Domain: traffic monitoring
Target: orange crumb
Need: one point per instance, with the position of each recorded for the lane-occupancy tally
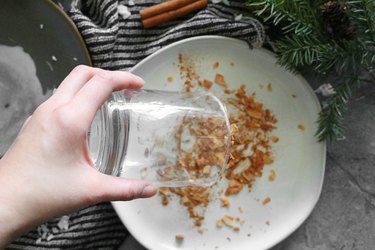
(225, 202)
(236, 229)
(266, 200)
(215, 65)
(205, 83)
(267, 159)
(272, 175)
(170, 79)
(164, 200)
(164, 190)
(269, 87)
(274, 138)
(228, 91)
(220, 223)
(228, 220)
(301, 127)
(180, 237)
(234, 187)
(219, 79)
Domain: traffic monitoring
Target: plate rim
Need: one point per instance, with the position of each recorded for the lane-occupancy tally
(307, 86)
(62, 16)
(74, 28)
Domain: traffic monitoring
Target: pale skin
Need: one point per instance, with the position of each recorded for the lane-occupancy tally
(47, 172)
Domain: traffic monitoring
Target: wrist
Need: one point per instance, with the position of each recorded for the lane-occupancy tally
(15, 219)
(10, 225)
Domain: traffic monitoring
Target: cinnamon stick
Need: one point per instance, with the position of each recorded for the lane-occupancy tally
(155, 19)
(164, 7)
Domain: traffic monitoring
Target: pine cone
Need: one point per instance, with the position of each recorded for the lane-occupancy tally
(336, 20)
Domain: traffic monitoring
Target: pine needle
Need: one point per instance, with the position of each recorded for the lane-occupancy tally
(306, 42)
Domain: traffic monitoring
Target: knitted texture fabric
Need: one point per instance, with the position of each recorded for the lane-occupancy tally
(118, 43)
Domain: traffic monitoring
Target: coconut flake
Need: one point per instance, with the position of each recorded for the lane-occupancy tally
(63, 223)
(123, 11)
(131, 3)
(237, 17)
(50, 237)
(226, 2)
(325, 90)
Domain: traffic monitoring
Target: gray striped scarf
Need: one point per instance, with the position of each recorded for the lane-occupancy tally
(116, 43)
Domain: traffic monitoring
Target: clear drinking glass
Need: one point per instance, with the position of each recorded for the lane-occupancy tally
(167, 138)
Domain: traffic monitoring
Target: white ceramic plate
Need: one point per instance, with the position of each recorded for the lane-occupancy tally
(299, 162)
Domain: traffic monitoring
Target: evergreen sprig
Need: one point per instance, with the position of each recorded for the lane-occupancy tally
(331, 118)
(296, 16)
(307, 50)
(307, 42)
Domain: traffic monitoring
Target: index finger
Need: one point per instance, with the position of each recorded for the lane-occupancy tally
(97, 90)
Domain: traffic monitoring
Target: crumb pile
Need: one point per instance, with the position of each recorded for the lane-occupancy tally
(252, 138)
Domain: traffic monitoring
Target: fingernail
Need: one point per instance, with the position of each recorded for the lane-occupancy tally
(140, 78)
(148, 191)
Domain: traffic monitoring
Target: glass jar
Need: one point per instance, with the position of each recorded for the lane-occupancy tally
(167, 138)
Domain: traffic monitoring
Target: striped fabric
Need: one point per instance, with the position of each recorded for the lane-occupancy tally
(118, 44)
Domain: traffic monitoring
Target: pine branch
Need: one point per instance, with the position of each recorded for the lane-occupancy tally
(307, 50)
(299, 15)
(338, 42)
(362, 13)
(331, 118)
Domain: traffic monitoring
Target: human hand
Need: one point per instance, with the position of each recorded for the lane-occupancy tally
(47, 171)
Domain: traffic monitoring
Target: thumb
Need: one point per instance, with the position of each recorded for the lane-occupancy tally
(122, 189)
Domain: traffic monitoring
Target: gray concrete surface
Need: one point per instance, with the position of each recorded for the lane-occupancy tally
(344, 218)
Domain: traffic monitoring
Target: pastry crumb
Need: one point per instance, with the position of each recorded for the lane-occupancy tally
(228, 220)
(219, 79)
(215, 65)
(272, 175)
(220, 223)
(180, 237)
(205, 83)
(170, 79)
(269, 87)
(266, 200)
(274, 138)
(225, 202)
